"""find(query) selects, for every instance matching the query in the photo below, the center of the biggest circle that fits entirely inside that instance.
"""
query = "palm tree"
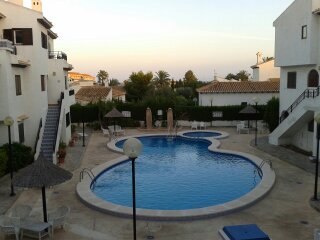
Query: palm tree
(162, 79)
(102, 76)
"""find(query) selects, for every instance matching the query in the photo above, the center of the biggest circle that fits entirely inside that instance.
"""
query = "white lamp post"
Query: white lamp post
(8, 121)
(317, 120)
(132, 148)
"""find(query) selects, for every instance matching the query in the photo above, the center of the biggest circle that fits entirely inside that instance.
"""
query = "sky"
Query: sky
(125, 36)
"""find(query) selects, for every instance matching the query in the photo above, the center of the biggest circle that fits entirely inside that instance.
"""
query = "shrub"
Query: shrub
(271, 115)
(21, 155)
(3, 162)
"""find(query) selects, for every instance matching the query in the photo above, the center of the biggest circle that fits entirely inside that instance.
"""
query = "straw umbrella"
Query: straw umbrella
(250, 111)
(41, 174)
(114, 113)
(170, 118)
(149, 118)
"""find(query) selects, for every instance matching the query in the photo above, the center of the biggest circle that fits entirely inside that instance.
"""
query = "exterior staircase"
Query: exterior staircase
(298, 114)
(50, 131)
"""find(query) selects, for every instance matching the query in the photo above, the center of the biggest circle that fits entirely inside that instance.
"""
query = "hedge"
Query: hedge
(95, 112)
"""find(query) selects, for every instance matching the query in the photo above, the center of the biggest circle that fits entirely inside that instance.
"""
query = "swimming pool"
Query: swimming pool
(178, 174)
(210, 206)
(202, 134)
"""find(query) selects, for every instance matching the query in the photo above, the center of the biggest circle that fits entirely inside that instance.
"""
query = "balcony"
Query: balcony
(7, 45)
(57, 55)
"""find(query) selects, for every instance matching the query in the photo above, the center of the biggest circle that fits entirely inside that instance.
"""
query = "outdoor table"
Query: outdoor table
(36, 230)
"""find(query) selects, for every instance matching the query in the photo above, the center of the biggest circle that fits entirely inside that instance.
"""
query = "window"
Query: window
(311, 126)
(43, 83)
(304, 32)
(244, 104)
(18, 85)
(292, 80)
(68, 119)
(44, 40)
(19, 36)
(21, 132)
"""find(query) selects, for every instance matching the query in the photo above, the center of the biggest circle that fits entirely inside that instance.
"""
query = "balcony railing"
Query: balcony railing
(4, 43)
(57, 55)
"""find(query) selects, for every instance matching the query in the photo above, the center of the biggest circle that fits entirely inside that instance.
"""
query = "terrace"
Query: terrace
(284, 213)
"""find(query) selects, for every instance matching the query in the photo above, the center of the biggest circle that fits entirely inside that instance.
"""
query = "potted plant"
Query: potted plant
(62, 152)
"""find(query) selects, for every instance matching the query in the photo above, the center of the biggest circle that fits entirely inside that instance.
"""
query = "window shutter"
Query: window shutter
(27, 36)
(8, 34)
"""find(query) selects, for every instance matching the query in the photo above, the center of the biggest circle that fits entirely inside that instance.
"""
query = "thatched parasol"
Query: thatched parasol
(170, 119)
(249, 110)
(149, 118)
(114, 113)
(41, 174)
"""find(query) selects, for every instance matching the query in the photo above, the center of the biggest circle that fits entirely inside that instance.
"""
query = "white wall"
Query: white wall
(225, 99)
(303, 139)
(265, 71)
(290, 49)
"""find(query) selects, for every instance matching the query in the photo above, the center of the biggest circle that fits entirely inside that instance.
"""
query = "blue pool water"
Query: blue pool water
(201, 134)
(178, 174)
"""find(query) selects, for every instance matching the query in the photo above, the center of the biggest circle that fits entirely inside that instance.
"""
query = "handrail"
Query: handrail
(57, 124)
(308, 93)
(57, 55)
(38, 136)
(90, 174)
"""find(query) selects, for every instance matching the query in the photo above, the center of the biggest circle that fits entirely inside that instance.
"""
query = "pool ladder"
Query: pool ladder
(172, 132)
(259, 171)
(90, 174)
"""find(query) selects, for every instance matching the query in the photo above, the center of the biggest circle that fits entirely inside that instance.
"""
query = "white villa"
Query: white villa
(264, 70)
(297, 54)
(224, 92)
(34, 79)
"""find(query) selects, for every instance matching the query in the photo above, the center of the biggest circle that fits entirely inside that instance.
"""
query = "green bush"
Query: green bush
(3, 162)
(21, 155)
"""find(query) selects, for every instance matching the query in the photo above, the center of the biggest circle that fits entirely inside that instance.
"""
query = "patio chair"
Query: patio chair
(248, 231)
(157, 124)
(111, 129)
(105, 132)
(57, 218)
(202, 125)
(119, 131)
(242, 127)
(21, 211)
(194, 125)
(10, 226)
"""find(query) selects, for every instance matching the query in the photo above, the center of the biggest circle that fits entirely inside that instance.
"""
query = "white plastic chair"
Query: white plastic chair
(10, 226)
(194, 125)
(202, 125)
(58, 217)
(21, 211)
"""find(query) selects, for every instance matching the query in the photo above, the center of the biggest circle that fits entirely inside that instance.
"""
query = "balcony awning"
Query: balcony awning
(68, 68)
(21, 64)
(52, 34)
(316, 12)
(45, 22)
(2, 16)
(22, 118)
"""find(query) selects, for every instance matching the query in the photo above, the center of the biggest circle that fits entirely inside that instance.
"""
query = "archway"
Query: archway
(313, 78)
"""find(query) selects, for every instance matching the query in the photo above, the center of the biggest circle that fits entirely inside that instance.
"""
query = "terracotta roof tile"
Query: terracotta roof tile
(241, 87)
(92, 93)
(118, 91)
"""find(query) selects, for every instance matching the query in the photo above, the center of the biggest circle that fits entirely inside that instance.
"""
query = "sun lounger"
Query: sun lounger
(243, 232)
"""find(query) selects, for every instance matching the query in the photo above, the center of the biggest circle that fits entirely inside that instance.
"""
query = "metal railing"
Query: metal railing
(38, 137)
(308, 93)
(57, 124)
(57, 55)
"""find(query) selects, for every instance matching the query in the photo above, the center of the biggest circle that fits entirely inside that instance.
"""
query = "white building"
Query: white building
(33, 78)
(297, 54)
(237, 93)
(264, 70)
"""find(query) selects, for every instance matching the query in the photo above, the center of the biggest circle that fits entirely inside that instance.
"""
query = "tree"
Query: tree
(271, 115)
(162, 79)
(189, 78)
(186, 92)
(114, 82)
(138, 85)
(102, 76)
(266, 59)
(243, 75)
(230, 76)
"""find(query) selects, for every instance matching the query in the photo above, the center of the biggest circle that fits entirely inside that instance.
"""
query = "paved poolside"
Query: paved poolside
(284, 214)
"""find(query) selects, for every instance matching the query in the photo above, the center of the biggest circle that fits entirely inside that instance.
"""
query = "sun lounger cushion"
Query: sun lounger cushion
(245, 232)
